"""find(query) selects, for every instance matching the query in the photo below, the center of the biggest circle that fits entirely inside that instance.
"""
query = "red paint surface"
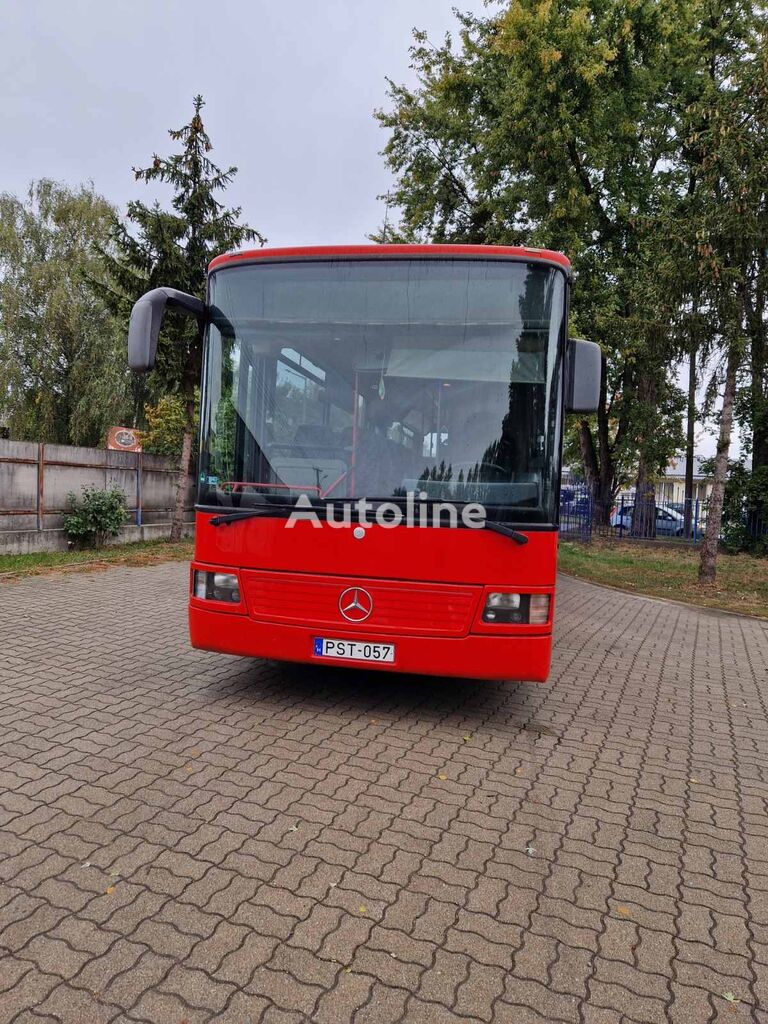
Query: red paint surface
(428, 586)
(470, 657)
(340, 251)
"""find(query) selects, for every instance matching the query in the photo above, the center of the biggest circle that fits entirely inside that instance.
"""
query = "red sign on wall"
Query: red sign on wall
(124, 439)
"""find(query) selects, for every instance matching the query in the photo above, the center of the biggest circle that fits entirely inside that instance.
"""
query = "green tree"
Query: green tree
(551, 124)
(717, 230)
(158, 247)
(62, 370)
(166, 422)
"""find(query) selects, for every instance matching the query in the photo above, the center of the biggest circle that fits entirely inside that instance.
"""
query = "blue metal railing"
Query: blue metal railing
(581, 518)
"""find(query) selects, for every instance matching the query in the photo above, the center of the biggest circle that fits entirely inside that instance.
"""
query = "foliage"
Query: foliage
(157, 248)
(717, 251)
(552, 125)
(62, 366)
(222, 442)
(166, 423)
(96, 515)
(745, 508)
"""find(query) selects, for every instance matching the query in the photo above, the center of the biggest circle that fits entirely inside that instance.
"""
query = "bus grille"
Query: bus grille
(427, 609)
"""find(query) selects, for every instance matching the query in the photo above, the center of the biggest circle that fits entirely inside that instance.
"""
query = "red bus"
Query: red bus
(380, 449)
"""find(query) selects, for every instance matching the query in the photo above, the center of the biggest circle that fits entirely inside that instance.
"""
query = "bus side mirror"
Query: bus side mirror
(583, 368)
(146, 318)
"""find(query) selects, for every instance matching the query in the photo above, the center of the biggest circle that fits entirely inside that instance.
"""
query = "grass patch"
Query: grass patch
(742, 581)
(145, 552)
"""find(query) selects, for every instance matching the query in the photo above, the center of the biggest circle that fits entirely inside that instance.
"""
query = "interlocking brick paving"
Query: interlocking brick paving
(188, 837)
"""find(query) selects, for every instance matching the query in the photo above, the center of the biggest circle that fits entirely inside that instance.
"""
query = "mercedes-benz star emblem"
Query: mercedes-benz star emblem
(355, 604)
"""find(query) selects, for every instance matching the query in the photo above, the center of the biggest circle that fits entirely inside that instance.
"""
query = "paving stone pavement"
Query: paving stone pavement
(187, 837)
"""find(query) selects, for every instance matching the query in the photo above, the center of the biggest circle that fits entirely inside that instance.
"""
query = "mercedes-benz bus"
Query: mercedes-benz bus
(380, 452)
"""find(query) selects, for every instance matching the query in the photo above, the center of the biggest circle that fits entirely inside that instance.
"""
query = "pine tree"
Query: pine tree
(158, 247)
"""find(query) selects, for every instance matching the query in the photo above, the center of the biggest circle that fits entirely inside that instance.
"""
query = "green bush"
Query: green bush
(166, 422)
(95, 516)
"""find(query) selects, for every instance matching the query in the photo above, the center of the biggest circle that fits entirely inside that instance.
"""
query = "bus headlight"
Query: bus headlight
(504, 608)
(216, 586)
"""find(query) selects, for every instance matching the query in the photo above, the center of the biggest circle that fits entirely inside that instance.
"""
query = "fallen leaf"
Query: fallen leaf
(730, 997)
(442, 777)
(109, 890)
(347, 970)
(466, 738)
(190, 768)
(694, 781)
(624, 911)
(363, 910)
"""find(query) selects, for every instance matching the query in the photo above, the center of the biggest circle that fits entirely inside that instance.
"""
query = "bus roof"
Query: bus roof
(342, 251)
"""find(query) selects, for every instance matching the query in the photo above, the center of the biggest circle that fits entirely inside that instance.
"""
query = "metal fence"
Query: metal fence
(581, 518)
(671, 522)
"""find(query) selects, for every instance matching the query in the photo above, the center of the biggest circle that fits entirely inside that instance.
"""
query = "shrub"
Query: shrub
(745, 509)
(96, 515)
(166, 422)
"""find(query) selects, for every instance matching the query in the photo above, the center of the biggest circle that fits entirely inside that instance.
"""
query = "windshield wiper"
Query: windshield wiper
(232, 517)
(506, 531)
(251, 513)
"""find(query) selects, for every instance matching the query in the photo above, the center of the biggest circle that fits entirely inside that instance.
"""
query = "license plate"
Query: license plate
(353, 650)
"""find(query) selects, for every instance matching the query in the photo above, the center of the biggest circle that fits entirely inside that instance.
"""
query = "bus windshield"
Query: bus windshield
(338, 379)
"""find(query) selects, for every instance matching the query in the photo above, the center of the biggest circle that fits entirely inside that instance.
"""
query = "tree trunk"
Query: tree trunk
(690, 443)
(589, 461)
(644, 511)
(759, 397)
(598, 472)
(708, 560)
(597, 457)
(182, 480)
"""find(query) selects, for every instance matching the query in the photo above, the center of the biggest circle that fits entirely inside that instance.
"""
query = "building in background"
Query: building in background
(671, 487)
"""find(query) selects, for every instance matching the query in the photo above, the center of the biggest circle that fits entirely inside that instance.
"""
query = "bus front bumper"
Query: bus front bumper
(525, 658)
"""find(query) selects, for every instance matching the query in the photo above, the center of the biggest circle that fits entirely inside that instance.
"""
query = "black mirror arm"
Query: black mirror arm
(146, 318)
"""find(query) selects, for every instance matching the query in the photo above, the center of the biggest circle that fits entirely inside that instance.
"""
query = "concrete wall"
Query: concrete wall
(35, 480)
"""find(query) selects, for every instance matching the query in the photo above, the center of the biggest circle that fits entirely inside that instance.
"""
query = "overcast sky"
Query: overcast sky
(90, 88)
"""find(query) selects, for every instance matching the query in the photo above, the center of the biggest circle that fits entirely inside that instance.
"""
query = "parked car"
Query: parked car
(669, 522)
(575, 504)
(698, 512)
